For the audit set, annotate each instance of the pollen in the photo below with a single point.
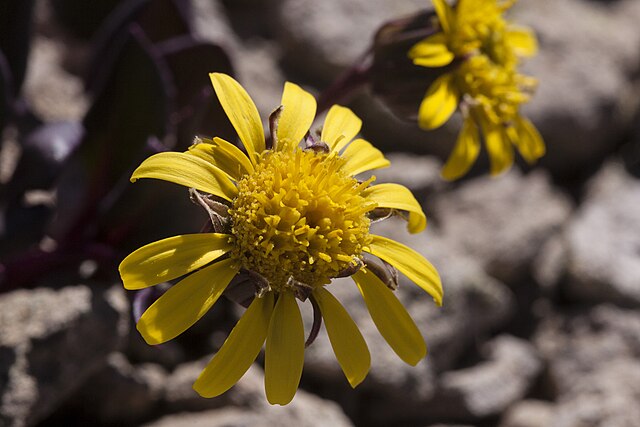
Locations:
(299, 218)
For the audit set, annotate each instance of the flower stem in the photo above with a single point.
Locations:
(349, 81)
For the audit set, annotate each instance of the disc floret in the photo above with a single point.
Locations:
(298, 218)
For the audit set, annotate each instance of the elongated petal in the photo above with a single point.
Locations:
(464, 153)
(439, 103)
(396, 196)
(410, 263)
(499, 147)
(242, 113)
(170, 258)
(225, 156)
(284, 354)
(346, 340)
(361, 156)
(340, 127)
(239, 350)
(391, 318)
(528, 141)
(186, 302)
(190, 171)
(431, 52)
(297, 115)
(445, 14)
(522, 40)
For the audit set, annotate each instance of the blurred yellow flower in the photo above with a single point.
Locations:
(482, 52)
(295, 218)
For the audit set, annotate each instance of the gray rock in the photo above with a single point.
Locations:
(606, 398)
(120, 393)
(51, 342)
(322, 38)
(490, 387)
(420, 174)
(576, 345)
(246, 405)
(529, 413)
(588, 92)
(180, 395)
(502, 222)
(52, 92)
(550, 265)
(604, 240)
(263, 82)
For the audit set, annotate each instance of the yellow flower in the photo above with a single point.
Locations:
(294, 218)
(482, 51)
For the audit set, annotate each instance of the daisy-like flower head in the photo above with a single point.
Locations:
(290, 215)
(482, 52)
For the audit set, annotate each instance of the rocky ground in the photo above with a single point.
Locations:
(540, 325)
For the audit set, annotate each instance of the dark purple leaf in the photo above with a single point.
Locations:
(15, 36)
(45, 153)
(5, 90)
(82, 17)
(132, 106)
(198, 111)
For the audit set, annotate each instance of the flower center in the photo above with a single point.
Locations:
(496, 92)
(299, 218)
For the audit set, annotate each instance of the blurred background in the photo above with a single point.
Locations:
(540, 266)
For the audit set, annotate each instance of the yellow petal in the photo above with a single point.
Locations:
(170, 258)
(297, 115)
(410, 263)
(464, 153)
(361, 156)
(396, 196)
(445, 14)
(529, 141)
(242, 113)
(346, 340)
(439, 103)
(186, 302)
(431, 52)
(284, 355)
(239, 350)
(498, 147)
(225, 156)
(340, 127)
(187, 170)
(522, 40)
(391, 318)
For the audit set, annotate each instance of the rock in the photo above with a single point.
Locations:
(607, 398)
(605, 395)
(578, 343)
(502, 222)
(51, 342)
(529, 413)
(488, 388)
(550, 265)
(583, 105)
(264, 82)
(53, 93)
(604, 240)
(246, 405)
(420, 174)
(322, 38)
(119, 394)
(180, 395)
